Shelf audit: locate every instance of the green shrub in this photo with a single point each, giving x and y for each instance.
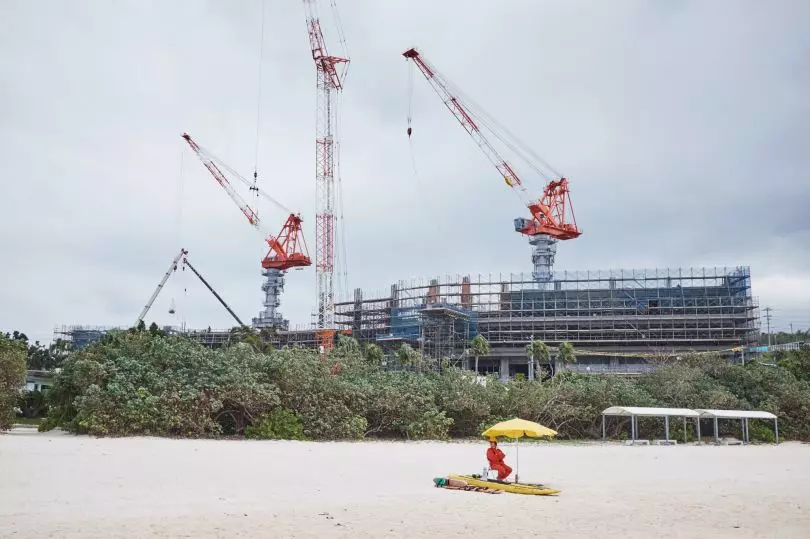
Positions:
(280, 424)
(432, 425)
(149, 383)
(13, 359)
(758, 432)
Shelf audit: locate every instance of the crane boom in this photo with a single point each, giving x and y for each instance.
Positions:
(465, 118)
(219, 176)
(208, 286)
(550, 212)
(287, 248)
(172, 268)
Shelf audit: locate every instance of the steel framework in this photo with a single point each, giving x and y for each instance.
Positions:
(640, 313)
(329, 82)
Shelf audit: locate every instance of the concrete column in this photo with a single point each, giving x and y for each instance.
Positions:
(504, 371)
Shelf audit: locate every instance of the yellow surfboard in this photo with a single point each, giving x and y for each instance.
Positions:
(516, 488)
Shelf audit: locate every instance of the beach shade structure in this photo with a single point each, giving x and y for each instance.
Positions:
(634, 412)
(743, 416)
(518, 428)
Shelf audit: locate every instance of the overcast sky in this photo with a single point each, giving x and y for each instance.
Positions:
(684, 128)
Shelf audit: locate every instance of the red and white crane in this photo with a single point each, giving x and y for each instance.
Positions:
(331, 72)
(552, 216)
(287, 248)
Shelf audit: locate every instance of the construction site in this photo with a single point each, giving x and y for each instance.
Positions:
(619, 321)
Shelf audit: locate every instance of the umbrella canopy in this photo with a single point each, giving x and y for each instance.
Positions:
(518, 428)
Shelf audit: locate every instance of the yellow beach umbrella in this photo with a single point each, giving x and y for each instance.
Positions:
(518, 428)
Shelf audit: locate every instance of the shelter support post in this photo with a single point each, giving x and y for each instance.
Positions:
(666, 427)
(716, 438)
(742, 425)
(633, 428)
(697, 420)
(747, 432)
(684, 430)
(776, 430)
(603, 428)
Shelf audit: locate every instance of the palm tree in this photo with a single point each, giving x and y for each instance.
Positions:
(479, 347)
(537, 352)
(565, 353)
(407, 356)
(373, 354)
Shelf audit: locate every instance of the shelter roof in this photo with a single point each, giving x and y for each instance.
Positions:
(636, 410)
(736, 414)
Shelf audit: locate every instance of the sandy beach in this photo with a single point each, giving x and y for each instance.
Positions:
(59, 485)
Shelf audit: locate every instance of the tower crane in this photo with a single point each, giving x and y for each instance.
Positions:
(331, 72)
(287, 248)
(552, 216)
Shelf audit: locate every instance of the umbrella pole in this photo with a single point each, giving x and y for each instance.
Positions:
(517, 459)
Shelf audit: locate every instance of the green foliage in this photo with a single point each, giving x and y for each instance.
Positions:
(347, 346)
(150, 384)
(330, 406)
(280, 424)
(248, 335)
(139, 382)
(407, 356)
(479, 347)
(798, 363)
(41, 357)
(13, 358)
(758, 432)
(537, 352)
(373, 354)
(32, 404)
(431, 425)
(784, 337)
(565, 353)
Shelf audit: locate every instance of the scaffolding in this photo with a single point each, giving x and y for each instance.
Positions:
(650, 311)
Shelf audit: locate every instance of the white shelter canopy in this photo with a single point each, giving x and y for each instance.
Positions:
(634, 412)
(735, 414)
(629, 411)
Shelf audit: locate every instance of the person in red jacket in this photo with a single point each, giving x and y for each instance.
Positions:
(495, 457)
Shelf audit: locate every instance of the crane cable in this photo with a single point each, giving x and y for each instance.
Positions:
(410, 115)
(255, 187)
(180, 185)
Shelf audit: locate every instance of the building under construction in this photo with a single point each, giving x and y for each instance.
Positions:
(616, 320)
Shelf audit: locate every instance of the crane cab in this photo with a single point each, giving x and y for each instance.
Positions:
(521, 224)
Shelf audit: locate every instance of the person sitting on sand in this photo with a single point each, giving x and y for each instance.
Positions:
(495, 457)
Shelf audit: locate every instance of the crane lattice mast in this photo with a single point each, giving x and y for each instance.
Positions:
(330, 72)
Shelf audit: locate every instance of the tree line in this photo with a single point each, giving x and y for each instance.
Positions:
(147, 383)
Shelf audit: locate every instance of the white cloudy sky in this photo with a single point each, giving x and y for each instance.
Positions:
(684, 127)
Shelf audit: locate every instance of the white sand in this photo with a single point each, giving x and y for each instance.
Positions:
(57, 485)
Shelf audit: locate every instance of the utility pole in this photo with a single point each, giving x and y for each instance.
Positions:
(791, 328)
(768, 320)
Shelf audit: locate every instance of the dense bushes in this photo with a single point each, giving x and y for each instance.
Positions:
(12, 377)
(142, 383)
